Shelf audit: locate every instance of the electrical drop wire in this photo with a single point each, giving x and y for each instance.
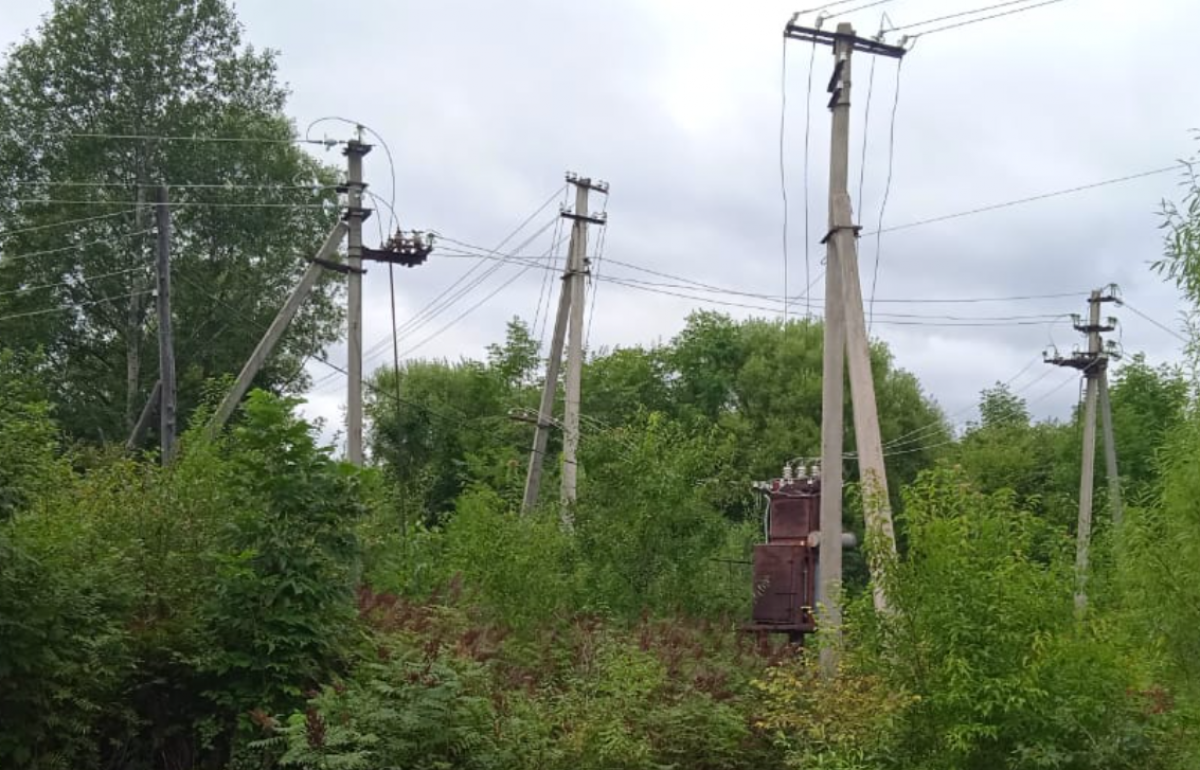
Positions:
(594, 275)
(782, 167)
(887, 189)
(812, 59)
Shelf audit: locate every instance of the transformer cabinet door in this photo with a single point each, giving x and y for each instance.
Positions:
(778, 584)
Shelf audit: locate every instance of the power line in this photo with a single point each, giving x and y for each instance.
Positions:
(594, 275)
(862, 163)
(9, 233)
(433, 310)
(957, 15)
(73, 306)
(187, 185)
(862, 7)
(473, 308)
(25, 289)
(894, 319)
(499, 246)
(546, 293)
(386, 149)
(812, 58)
(218, 139)
(1031, 199)
(106, 241)
(1160, 325)
(782, 167)
(985, 18)
(887, 188)
(172, 204)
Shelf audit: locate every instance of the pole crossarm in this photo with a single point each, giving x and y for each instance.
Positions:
(827, 37)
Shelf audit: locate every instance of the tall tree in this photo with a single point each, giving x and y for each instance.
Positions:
(94, 108)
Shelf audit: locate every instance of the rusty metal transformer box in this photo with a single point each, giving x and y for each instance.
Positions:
(785, 567)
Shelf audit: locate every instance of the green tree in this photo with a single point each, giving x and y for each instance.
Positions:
(98, 69)
(1148, 405)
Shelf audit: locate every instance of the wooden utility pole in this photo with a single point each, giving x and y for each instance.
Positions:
(1093, 363)
(166, 341)
(842, 248)
(570, 311)
(355, 214)
(274, 333)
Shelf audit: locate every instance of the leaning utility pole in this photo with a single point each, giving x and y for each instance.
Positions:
(844, 305)
(166, 342)
(1093, 363)
(570, 311)
(321, 262)
(355, 214)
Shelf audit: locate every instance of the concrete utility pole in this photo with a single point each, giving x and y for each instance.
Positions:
(274, 333)
(570, 311)
(355, 214)
(143, 422)
(833, 430)
(166, 340)
(578, 265)
(1110, 456)
(842, 255)
(1093, 363)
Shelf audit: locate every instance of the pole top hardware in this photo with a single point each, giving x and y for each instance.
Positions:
(405, 250)
(596, 219)
(599, 185)
(825, 37)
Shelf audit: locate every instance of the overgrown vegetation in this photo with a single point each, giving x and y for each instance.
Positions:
(259, 604)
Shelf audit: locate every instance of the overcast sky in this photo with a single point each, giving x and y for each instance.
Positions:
(677, 104)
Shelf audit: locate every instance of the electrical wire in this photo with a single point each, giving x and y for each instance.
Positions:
(919, 434)
(186, 186)
(900, 319)
(594, 274)
(1160, 325)
(61, 249)
(1031, 199)
(498, 246)
(862, 162)
(172, 204)
(862, 7)
(473, 308)
(395, 337)
(957, 15)
(782, 167)
(1002, 14)
(9, 233)
(26, 289)
(225, 139)
(421, 320)
(73, 306)
(812, 58)
(887, 191)
(546, 294)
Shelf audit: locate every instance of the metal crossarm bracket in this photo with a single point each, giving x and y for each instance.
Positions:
(834, 230)
(826, 37)
(596, 219)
